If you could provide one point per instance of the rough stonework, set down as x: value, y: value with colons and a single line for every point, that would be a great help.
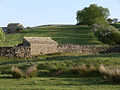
x: 16, y: 51
x: 33, y: 46
x: 14, y: 27
x: 40, y: 45
x: 88, y: 50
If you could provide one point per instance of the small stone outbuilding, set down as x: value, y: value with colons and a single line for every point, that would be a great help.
x: 40, y: 45
x: 14, y: 27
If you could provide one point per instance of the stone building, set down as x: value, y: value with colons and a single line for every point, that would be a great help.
x: 14, y: 27
x: 40, y: 45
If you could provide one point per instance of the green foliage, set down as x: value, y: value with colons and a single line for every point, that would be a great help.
x: 117, y: 25
x: 92, y: 14
x: 1, y: 35
x: 109, y: 20
x: 107, y: 34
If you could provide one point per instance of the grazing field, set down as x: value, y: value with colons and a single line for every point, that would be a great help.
x: 56, y: 83
x: 82, y: 35
x: 49, y: 63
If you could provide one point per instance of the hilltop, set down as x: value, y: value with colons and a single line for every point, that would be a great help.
x: 63, y: 34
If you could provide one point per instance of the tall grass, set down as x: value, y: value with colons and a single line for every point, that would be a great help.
x: 81, y: 69
x: 17, y: 73
x: 30, y: 72
x: 110, y: 73
x: 84, y: 70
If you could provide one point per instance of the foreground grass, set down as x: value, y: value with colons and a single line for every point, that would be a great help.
x: 59, y: 61
x: 82, y: 35
x: 49, y: 63
x: 57, y: 83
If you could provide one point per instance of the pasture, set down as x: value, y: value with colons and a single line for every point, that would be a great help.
x: 48, y: 64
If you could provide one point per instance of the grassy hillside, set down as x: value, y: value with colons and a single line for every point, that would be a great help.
x: 67, y: 81
x: 47, y: 64
x: 82, y: 35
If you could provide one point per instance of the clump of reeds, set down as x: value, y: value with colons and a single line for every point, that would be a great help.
x: 81, y: 69
x: 16, y: 72
x: 30, y: 72
x: 110, y: 73
x: 58, y: 72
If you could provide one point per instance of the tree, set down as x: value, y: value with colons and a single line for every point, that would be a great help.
x: 92, y: 14
x: 115, y: 20
x: 110, y: 20
x: 107, y: 34
x: 1, y: 35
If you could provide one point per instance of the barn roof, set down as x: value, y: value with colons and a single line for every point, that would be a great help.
x: 39, y: 40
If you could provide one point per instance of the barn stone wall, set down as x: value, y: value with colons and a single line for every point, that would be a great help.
x: 39, y: 49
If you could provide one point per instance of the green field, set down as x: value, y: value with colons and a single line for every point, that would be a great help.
x: 82, y: 35
x: 66, y: 81
x: 48, y: 64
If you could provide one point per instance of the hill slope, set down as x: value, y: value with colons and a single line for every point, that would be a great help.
x: 82, y: 35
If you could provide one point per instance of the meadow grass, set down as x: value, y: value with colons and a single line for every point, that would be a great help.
x: 82, y: 35
x: 57, y: 83
x: 66, y: 81
x: 47, y: 64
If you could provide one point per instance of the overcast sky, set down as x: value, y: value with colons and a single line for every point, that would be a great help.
x: 39, y: 12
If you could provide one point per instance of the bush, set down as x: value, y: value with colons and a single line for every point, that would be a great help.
x: 110, y: 73
x: 1, y: 35
x: 107, y: 34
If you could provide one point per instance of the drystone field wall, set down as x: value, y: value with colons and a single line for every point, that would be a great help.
x: 16, y: 51
x: 25, y: 51
x: 88, y: 50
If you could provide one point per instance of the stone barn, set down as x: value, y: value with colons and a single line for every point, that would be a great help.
x: 40, y: 45
x: 14, y: 27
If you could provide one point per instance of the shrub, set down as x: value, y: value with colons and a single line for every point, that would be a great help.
x: 31, y: 71
x: 16, y: 72
x: 1, y: 35
x: 110, y: 73
x: 107, y: 34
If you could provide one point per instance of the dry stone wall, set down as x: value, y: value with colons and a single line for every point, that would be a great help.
x: 16, y: 51
x: 88, y: 49
x: 25, y: 51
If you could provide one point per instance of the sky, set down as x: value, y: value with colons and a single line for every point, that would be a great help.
x: 42, y: 12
